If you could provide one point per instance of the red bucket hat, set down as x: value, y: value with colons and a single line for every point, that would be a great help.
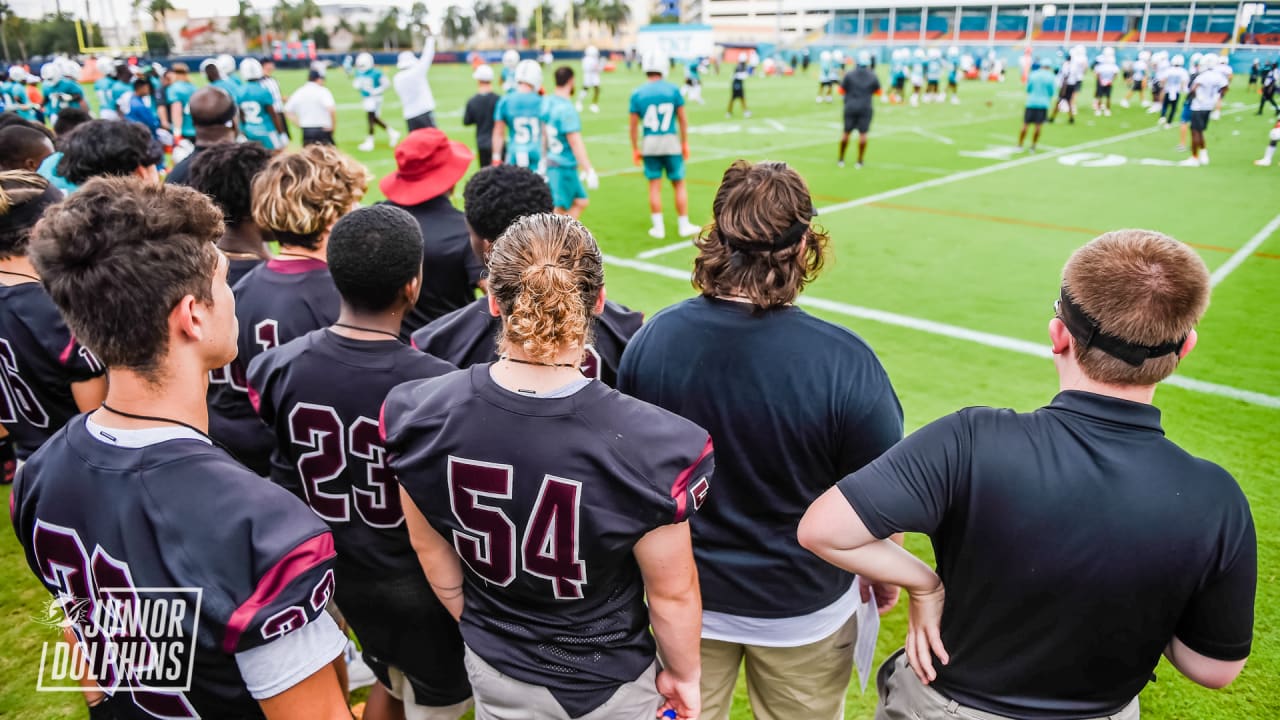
x: 428, y: 163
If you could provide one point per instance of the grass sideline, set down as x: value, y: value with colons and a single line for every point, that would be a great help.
x: 980, y: 251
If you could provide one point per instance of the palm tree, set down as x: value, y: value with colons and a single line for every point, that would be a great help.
x: 418, y: 14
x: 307, y: 10
x: 508, y: 14
x: 457, y: 24
x: 486, y: 15
x: 5, y: 12
x: 614, y: 14
x: 158, y: 9
x: 246, y: 21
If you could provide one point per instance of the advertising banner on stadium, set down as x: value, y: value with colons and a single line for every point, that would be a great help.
x: 679, y: 42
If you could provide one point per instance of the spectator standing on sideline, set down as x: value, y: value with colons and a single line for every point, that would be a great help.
x: 767, y: 602
x: 213, y: 114
x: 1075, y: 544
x: 479, y: 112
x: 428, y: 166
x: 311, y: 107
x: 414, y: 88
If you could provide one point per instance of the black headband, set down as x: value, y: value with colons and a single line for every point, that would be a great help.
x: 1086, y: 332
x: 789, y: 237
x: 22, y: 217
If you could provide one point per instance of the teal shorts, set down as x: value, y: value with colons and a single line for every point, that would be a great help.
x: 565, y: 186
x: 672, y: 165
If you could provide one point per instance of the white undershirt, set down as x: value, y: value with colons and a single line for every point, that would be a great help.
x: 269, y: 669
x: 782, y: 632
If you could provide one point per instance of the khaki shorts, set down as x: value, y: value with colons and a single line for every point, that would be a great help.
x: 904, y: 697
x: 401, y: 689
x: 501, y: 697
x: 783, y: 683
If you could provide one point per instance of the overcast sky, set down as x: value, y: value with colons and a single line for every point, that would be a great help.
x: 101, y: 9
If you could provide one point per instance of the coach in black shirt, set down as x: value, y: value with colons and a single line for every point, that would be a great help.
x: 793, y: 403
x: 1076, y: 543
x: 428, y: 166
x: 860, y: 86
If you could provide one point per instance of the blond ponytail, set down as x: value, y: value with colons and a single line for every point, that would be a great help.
x: 545, y: 272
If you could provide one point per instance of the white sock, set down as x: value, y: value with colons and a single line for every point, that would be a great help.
x: 683, y: 220
x: 1271, y: 151
x: 657, y: 219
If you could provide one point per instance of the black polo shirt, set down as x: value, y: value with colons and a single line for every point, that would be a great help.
x: 450, y: 270
x: 793, y: 403
x: 1074, y: 543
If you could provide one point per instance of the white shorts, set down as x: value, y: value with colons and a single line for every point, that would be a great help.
x: 591, y: 80
x: 372, y: 104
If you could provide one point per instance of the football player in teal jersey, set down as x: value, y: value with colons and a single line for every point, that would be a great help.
x: 15, y: 95
x: 517, y: 120
x: 372, y: 84
x: 258, y: 119
x: 179, y: 95
x: 59, y: 91
x: 658, y: 108
x: 565, y: 151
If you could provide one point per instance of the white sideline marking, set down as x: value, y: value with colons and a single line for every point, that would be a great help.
x: 931, y: 327
x: 655, y: 252
x: 1243, y: 253
x: 933, y: 136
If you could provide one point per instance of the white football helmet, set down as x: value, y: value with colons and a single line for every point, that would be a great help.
x: 1178, y: 61
x: 1208, y: 60
x: 17, y: 73
x: 824, y: 56
x: 50, y: 72
x: 529, y: 72
x: 591, y: 51
x: 953, y: 52
x: 919, y: 54
x: 935, y: 53
x: 1145, y: 55
x: 364, y: 61
x: 655, y: 62
x: 511, y: 58
x: 250, y: 69
x: 226, y: 65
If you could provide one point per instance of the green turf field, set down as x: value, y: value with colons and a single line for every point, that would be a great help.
x: 946, y: 253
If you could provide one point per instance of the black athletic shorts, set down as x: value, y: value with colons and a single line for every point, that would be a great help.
x: 1069, y: 91
x: 400, y: 623
x: 1200, y: 120
x: 317, y: 136
x: 737, y: 89
x: 1035, y: 116
x: 418, y: 122
x: 900, y: 83
x: 1137, y: 85
x: 855, y: 119
x: 1104, y: 91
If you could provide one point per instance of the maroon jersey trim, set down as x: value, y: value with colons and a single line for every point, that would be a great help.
x: 679, y: 490
x: 298, y: 561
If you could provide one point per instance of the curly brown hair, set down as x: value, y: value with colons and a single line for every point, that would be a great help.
x: 545, y: 272
x: 756, y: 205
x: 118, y: 254
x: 1141, y: 286
x: 300, y: 195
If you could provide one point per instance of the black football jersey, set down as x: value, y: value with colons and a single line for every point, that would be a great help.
x: 321, y: 395
x: 275, y: 302
x: 39, y: 361
x: 98, y: 522
x: 469, y: 336
x: 544, y: 500
x: 239, y: 267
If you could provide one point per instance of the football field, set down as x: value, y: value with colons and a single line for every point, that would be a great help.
x: 946, y: 253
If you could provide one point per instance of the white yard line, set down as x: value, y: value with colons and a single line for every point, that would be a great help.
x: 1001, y: 342
x: 1243, y: 253
x: 655, y: 252
x: 933, y: 136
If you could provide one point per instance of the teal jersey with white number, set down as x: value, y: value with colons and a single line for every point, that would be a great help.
x: 116, y: 93
x: 63, y: 94
x: 181, y: 92
x: 255, y: 117
x: 15, y: 95
x: 560, y: 119
x: 371, y: 83
x: 522, y: 112
x: 102, y: 88
x: 656, y: 103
